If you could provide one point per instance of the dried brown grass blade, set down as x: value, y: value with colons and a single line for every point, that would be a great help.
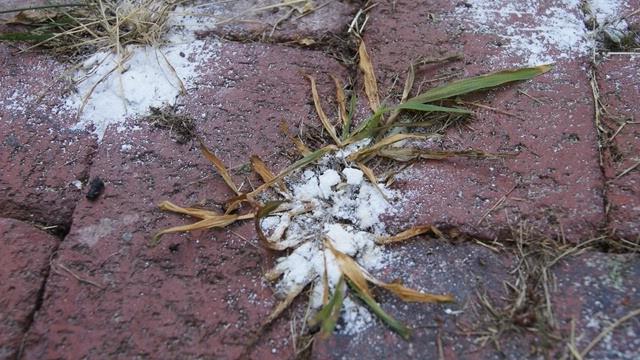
x: 408, y: 234
x: 261, y: 169
x: 323, y: 117
x: 408, y: 154
x: 342, y: 101
x: 235, y: 202
x: 283, y: 305
x: 410, y: 295
x: 370, y: 82
x: 373, y: 149
x: 408, y: 85
x: 300, y: 146
x: 372, y: 178
x: 350, y: 268
x: 359, y: 277
x: 219, y: 221
x: 222, y: 170
x: 195, y: 212
x: 295, y: 166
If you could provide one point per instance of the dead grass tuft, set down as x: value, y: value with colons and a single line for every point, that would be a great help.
x: 380, y: 142
x: 181, y: 126
x: 93, y: 25
x: 524, y: 308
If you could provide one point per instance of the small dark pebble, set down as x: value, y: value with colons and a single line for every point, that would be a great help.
x: 96, y: 187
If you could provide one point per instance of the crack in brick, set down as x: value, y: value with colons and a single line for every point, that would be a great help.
x: 31, y: 317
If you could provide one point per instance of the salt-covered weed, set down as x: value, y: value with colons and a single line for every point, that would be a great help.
x: 324, y: 211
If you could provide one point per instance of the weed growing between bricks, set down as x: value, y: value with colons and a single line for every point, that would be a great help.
x: 321, y: 212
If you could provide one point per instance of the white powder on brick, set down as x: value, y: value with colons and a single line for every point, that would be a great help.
x: 345, y: 210
x: 354, y: 176
x: 606, y: 10
x: 328, y: 179
x: 112, y: 88
x: 536, y: 31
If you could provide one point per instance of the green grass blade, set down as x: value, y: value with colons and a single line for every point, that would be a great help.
x: 369, y: 127
x: 394, y: 324
x: 346, y: 129
x: 488, y: 81
x: 432, y: 108
x: 329, y: 314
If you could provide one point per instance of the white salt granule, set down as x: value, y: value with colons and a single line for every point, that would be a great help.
x: 356, y: 318
x: 110, y: 90
x: 308, y: 190
x: 350, y: 149
x: 328, y: 179
x: 368, y: 216
x: 342, y: 240
x: 269, y: 223
x: 354, y: 176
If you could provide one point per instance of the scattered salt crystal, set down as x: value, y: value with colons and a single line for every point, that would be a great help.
x: 356, y: 318
x: 368, y: 216
x: 77, y: 184
x: 606, y: 10
x: 354, y: 176
x: 269, y: 223
x: 535, y: 30
x: 328, y: 179
x: 342, y: 240
x: 452, y: 312
x: 308, y: 190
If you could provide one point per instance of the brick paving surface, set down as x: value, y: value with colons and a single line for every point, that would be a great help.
x: 24, y: 266
x: 94, y: 288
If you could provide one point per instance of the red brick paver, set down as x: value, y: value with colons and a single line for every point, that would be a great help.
x: 24, y: 266
x: 44, y: 164
x: 556, y: 173
x: 195, y: 295
x: 619, y: 80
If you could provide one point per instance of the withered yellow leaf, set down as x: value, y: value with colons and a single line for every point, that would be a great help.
x: 195, y: 212
x: 370, y: 82
x: 372, y: 178
x: 265, y: 174
x: 323, y: 117
x: 261, y: 168
x: 373, y: 149
x: 410, y: 295
x: 219, y: 221
x: 222, y: 170
x: 342, y: 101
x: 306, y: 41
x: 349, y: 268
x: 408, y: 234
x: 283, y: 305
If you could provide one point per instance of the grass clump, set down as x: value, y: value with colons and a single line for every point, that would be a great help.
x: 181, y: 126
x: 90, y: 26
x: 375, y: 139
